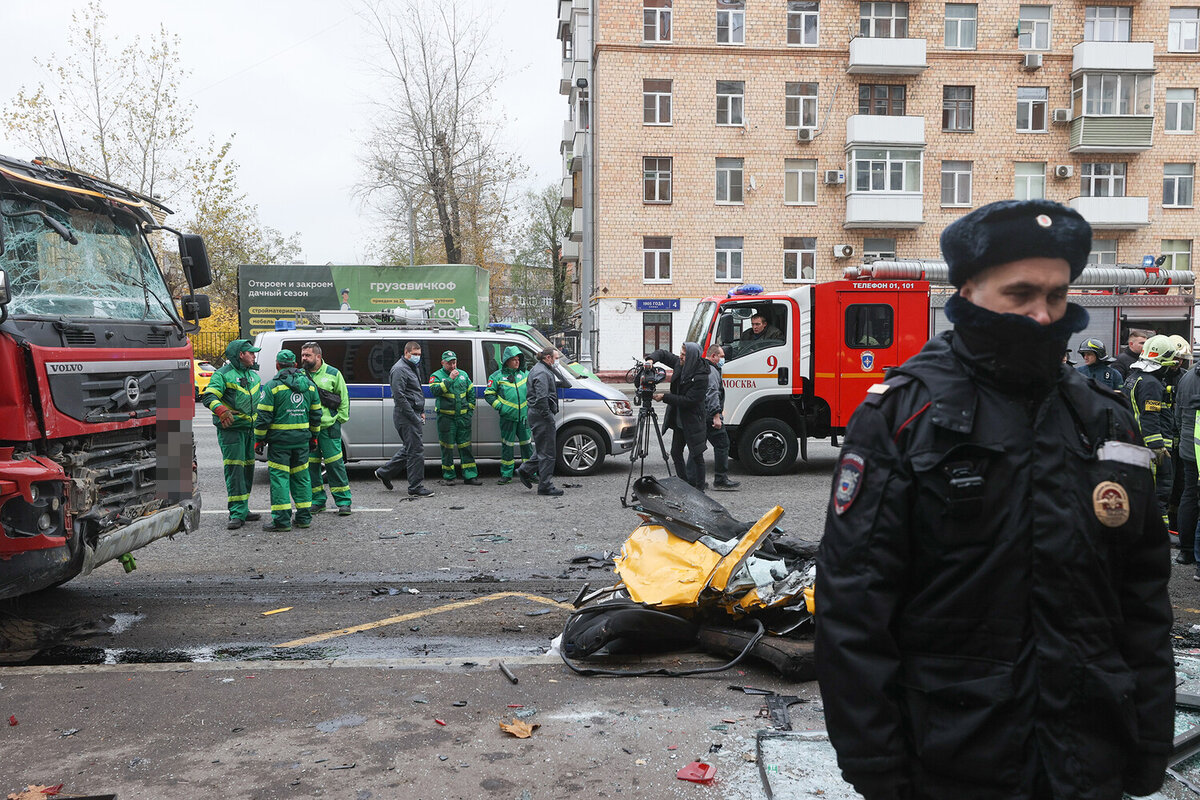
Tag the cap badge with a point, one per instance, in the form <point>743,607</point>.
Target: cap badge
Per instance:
<point>1110,501</point>
<point>1044,220</point>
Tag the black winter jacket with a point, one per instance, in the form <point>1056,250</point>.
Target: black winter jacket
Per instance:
<point>685,400</point>
<point>975,617</point>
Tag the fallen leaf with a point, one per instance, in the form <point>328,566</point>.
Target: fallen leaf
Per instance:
<point>519,728</point>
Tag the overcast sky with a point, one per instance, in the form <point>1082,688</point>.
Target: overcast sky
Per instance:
<point>293,81</point>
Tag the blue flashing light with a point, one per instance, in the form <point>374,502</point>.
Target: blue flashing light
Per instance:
<point>285,324</point>
<point>499,326</point>
<point>745,289</point>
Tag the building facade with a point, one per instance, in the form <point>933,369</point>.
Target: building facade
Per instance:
<point>718,142</point>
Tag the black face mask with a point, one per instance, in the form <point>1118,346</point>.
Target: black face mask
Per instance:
<point>1013,352</point>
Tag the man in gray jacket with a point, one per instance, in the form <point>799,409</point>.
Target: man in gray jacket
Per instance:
<point>409,419</point>
<point>714,405</point>
<point>543,405</point>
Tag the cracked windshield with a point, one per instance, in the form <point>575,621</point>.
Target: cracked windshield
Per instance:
<point>110,274</point>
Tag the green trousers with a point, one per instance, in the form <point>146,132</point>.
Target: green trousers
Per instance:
<point>237,453</point>
<point>288,467</point>
<point>454,433</point>
<point>513,432</point>
<point>329,453</point>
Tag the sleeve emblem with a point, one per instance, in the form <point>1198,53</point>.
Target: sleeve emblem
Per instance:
<point>849,481</point>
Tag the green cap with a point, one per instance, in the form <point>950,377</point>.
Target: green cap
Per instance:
<point>449,355</point>
<point>286,357</point>
<point>247,346</point>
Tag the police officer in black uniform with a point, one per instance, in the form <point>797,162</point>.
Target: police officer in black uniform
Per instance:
<point>993,620</point>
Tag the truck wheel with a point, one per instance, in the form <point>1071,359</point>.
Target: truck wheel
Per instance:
<point>580,450</point>
<point>767,447</point>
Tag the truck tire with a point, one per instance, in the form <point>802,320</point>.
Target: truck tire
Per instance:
<point>767,447</point>
<point>581,450</point>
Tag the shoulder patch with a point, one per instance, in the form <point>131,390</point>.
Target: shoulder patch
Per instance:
<point>851,469</point>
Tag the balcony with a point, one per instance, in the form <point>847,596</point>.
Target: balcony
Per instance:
<point>1113,213</point>
<point>1113,57</point>
<point>568,136</point>
<point>578,142</point>
<point>570,251</point>
<point>884,210</point>
<point>564,18</point>
<point>567,199</point>
<point>568,74</point>
<point>873,129</point>
<point>871,56</point>
<point>577,225</point>
<point>1125,134</point>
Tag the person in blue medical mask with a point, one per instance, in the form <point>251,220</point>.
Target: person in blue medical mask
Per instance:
<point>409,418</point>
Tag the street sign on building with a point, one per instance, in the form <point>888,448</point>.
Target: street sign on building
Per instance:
<point>657,304</point>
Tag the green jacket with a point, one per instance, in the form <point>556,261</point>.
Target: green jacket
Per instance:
<point>452,397</point>
<point>506,390</point>
<point>289,414</point>
<point>235,387</point>
<point>329,379</point>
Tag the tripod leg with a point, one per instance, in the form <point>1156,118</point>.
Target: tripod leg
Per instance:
<point>661,445</point>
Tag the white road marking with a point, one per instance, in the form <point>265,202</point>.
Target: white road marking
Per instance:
<point>441,663</point>
<point>267,511</point>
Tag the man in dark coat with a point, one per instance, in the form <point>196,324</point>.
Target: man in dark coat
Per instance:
<point>1133,349</point>
<point>408,416</point>
<point>685,409</point>
<point>992,615</point>
<point>543,406</point>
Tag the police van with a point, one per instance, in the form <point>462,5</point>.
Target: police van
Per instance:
<point>594,419</point>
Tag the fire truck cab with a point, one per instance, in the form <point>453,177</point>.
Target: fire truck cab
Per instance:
<point>798,363</point>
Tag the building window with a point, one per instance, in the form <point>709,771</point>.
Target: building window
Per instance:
<point>729,180</point>
<point>958,105</point>
<point>1178,181</point>
<point>656,179</point>
<point>802,22</point>
<point>881,99</point>
<point>800,181</point>
<point>729,259</point>
<point>1181,111</point>
<point>1031,109</point>
<point>656,259</point>
<point>731,22</point>
<point>656,331</point>
<point>883,20</point>
<point>956,183</point>
<point>1033,28</point>
<point>1107,23</point>
<point>1102,179</point>
<point>656,102</point>
<point>1183,30</point>
<point>881,248</point>
<point>800,105</point>
<point>869,325</point>
<point>583,114</point>
<point>1029,180</point>
<point>886,170</point>
<point>961,25</point>
<point>1112,94</point>
<point>656,20</point>
<point>1104,253</point>
<point>799,259</point>
<point>731,101</point>
<point>1178,253</point>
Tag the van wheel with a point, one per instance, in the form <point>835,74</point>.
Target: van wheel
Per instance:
<point>767,447</point>
<point>580,450</point>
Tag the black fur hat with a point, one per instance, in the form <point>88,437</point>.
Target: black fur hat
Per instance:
<point>1010,230</point>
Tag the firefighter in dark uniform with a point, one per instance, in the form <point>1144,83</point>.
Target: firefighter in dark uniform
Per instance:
<point>992,611</point>
<point>1147,392</point>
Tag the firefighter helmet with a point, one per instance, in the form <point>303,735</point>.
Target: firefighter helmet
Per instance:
<point>1183,348</point>
<point>1094,346</point>
<point>1159,349</point>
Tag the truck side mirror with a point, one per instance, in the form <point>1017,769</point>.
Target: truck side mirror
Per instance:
<point>196,306</point>
<point>5,288</point>
<point>194,257</point>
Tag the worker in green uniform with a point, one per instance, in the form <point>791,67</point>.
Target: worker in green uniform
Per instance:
<point>289,418</point>
<point>335,411</point>
<point>507,394</point>
<point>232,396</point>
<point>454,397</point>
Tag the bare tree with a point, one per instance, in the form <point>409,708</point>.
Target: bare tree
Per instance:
<point>545,223</point>
<point>435,145</point>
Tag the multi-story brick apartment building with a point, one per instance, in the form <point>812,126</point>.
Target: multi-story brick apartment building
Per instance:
<point>719,142</point>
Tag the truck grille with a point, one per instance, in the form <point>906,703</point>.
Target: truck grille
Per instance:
<point>113,477</point>
<point>115,391</point>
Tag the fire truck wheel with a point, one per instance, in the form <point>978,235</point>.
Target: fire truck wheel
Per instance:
<point>581,450</point>
<point>767,447</point>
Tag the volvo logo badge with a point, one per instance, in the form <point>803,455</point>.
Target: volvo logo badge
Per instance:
<point>133,390</point>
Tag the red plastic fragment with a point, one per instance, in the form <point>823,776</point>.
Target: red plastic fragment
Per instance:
<point>52,790</point>
<point>440,721</point>
<point>697,772</point>
<point>515,705</point>
<point>12,720</point>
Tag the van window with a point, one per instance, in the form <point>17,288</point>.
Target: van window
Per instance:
<point>359,360</point>
<point>493,350</point>
<point>869,325</point>
<point>431,357</point>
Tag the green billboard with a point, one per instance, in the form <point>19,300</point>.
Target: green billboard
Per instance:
<point>267,292</point>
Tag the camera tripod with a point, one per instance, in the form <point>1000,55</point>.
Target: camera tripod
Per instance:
<point>647,423</point>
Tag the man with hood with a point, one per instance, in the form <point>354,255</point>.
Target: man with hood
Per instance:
<point>289,419</point>
<point>232,397</point>
<point>543,406</point>
<point>454,400</point>
<point>994,621</point>
<point>685,410</point>
<point>1096,364</point>
<point>1147,392</point>
<point>506,392</point>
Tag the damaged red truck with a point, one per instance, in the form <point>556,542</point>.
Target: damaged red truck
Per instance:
<point>96,451</point>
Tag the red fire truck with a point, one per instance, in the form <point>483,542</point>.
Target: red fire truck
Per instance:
<point>821,346</point>
<point>96,450</point>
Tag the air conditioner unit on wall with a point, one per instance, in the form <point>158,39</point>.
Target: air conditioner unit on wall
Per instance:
<point>843,250</point>
<point>1064,171</point>
<point>806,134</point>
<point>835,176</point>
<point>1061,115</point>
<point>1032,61</point>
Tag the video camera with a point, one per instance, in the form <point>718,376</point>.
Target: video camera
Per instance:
<point>646,378</point>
